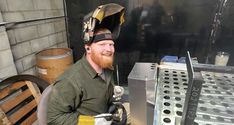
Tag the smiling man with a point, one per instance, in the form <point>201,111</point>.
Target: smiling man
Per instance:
<point>85,91</point>
<point>100,53</point>
<point>87,87</point>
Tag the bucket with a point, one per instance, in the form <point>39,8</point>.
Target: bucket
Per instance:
<point>51,63</point>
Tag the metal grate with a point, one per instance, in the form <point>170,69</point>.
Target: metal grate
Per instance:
<point>216,103</point>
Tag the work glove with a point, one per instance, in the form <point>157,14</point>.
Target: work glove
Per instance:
<point>101,119</point>
<point>118,92</point>
<point>119,114</point>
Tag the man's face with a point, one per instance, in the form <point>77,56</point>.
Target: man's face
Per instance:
<point>102,53</point>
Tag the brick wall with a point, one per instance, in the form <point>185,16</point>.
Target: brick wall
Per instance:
<point>7,66</point>
<point>29,38</point>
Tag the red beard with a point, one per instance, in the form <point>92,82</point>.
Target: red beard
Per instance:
<point>104,60</point>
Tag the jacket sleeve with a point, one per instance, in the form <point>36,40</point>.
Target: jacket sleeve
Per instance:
<point>62,103</point>
<point>111,92</point>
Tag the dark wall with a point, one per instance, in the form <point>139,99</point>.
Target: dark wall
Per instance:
<point>76,10</point>
<point>155,28</point>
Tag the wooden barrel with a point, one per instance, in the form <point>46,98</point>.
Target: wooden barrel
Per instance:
<point>53,62</point>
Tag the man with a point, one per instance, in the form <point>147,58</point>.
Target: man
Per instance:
<point>86,89</point>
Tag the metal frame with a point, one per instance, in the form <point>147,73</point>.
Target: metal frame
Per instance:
<point>27,21</point>
<point>195,86</point>
<point>66,23</point>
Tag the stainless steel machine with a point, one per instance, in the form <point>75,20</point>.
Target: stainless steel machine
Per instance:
<point>142,81</point>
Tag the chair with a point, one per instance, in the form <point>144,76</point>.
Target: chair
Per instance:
<point>42,106</point>
<point>41,84</point>
<point>18,103</point>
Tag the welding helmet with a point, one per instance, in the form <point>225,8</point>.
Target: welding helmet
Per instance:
<point>110,16</point>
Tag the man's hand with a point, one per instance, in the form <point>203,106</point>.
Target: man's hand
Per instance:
<point>119,114</point>
<point>103,119</point>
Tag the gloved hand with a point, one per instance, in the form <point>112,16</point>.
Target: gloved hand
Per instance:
<point>118,92</point>
<point>101,119</point>
<point>119,114</point>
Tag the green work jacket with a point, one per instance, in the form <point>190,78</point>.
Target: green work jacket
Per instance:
<point>79,91</point>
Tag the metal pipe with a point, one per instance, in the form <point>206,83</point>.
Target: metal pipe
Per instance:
<point>27,21</point>
<point>117,74</point>
<point>66,23</point>
<point>213,68</point>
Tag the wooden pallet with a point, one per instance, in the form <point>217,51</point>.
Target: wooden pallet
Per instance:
<point>18,103</point>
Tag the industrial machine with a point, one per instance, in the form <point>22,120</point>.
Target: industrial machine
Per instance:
<point>184,94</point>
<point>142,82</point>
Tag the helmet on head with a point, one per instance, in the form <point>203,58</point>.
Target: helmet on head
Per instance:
<point>110,16</point>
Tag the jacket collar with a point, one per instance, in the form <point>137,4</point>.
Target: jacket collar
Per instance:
<point>88,67</point>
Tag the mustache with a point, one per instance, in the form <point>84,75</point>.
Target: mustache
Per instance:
<point>108,54</point>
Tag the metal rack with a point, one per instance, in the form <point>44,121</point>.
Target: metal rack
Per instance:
<point>196,80</point>
<point>201,95</point>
